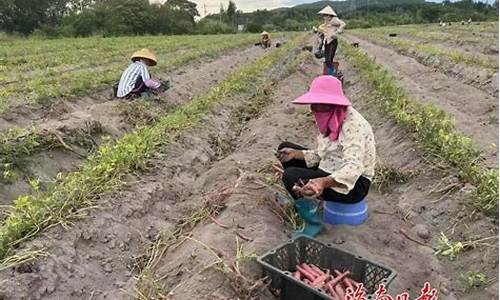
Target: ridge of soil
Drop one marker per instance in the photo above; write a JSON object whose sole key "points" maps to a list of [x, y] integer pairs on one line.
{"points": [[98, 116], [474, 111], [478, 77], [482, 50], [99, 256]]}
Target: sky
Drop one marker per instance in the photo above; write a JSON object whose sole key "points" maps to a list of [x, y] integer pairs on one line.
{"points": [[213, 6]]}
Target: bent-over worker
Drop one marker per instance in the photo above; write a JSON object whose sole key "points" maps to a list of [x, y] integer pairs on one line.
{"points": [[136, 79], [329, 32], [341, 166], [265, 40]]}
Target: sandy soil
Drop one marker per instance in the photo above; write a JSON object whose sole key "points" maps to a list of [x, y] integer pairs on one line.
{"points": [[98, 115], [478, 77], [474, 111], [99, 256]]}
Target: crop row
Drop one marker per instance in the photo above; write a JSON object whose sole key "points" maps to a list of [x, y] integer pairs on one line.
{"points": [[84, 81], [103, 171], [19, 143], [431, 36], [434, 130], [409, 47], [15, 67]]}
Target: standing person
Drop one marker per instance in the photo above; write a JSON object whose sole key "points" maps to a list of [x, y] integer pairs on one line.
{"points": [[136, 79], [341, 167], [330, 30]]}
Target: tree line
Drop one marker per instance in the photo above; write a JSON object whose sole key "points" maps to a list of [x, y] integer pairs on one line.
{"points": [[138, 17]]}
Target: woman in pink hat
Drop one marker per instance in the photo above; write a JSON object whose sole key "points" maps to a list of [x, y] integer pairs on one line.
{"points": [[343, 164]]}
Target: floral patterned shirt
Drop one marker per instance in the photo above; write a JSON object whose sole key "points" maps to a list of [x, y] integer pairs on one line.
{"points": [[349, 157], [332, 29]]}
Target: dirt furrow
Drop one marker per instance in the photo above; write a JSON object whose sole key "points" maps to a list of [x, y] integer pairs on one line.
{"points": [[115, 117], [184, 270], [101, 255], [474, 111], [482, 78]]}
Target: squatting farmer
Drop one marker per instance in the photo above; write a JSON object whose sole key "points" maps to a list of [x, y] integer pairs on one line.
{"points": [[136, 80], [328, 34], [341, 167], [265, 40]]}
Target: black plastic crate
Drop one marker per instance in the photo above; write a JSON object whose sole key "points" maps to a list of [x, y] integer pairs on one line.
{"points": [[278, 263]]}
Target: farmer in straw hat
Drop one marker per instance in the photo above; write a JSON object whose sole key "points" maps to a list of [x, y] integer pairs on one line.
{"points": [[265, 40], [329, 31], [341, 167], [136, 79]]}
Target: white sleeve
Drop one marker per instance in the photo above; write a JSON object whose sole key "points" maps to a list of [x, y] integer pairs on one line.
{"points": [[145, 73]]}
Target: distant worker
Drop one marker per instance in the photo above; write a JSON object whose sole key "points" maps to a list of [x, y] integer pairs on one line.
{"points": [[340, 169], [329, 32], [136, 80], [265, 40]]}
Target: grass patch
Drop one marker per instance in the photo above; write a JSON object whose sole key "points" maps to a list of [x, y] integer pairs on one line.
{"points": [[433, 129], [386, 175], [103, 171]]}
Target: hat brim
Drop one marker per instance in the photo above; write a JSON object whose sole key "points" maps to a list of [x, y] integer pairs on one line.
{"points": [[327, 14], [320, 98], [153, 62]]}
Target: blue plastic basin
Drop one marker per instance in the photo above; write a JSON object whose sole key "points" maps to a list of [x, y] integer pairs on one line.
{"points": [[348, 214]]}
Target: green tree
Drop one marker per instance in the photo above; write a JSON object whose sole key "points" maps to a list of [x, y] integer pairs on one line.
{"points": [[231, 13], [25, 15]]}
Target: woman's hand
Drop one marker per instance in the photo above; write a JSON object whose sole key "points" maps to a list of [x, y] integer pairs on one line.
{"points": [[315, 187], [287, 154]]}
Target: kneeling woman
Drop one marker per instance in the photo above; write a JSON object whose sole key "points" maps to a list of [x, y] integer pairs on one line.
{"points": [[342, 165], [136, 80]]}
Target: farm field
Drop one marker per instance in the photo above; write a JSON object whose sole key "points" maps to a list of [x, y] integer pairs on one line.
{"points": [[173, 197], [467, 52]]}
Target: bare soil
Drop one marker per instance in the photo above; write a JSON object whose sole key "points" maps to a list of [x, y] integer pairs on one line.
{"points": [[475, 112], [81, 123], [99, 256], [483, 79]]}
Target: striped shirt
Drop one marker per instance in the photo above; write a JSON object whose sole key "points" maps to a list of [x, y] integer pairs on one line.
{"points": [[130, 76]]}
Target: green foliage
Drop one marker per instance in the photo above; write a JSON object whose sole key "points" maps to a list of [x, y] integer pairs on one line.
{"points": [[407, 46], [433, 129], [474, 279], [125, 17], [103, 171], [369, 13], [70, 71], [208, 26]]}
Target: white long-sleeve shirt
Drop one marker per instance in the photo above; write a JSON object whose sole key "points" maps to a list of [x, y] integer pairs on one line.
{"points": [[331, 29], [130, 76], [352, 155]]}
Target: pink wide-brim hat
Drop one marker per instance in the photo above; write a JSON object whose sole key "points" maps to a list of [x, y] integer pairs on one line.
{"points": [[324, 90]]}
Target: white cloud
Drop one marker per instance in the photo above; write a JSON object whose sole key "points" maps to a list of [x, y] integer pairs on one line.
{"points": [[213, 6]]}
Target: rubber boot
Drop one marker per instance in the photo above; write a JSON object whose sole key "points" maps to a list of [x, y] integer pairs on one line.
{"points": [[331, 71], [309, 211]]}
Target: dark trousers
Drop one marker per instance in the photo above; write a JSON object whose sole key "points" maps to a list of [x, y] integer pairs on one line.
{"points": [[330, 50], [139, 88], [296, 170]]}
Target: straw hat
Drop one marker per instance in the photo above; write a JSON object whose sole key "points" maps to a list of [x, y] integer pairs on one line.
{"points": [[324, 90], [328, 10], [264, 33], [144, 53]]}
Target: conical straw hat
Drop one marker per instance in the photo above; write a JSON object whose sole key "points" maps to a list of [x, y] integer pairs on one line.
{"points": [[144, 53], [328, 10], [264, 33]]}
